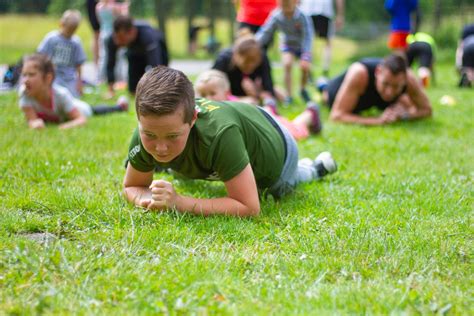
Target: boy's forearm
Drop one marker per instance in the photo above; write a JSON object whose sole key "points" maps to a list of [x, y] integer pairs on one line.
{"points": [[214, 206]]}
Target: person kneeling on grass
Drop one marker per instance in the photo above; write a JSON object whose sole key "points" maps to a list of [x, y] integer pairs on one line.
{"points": [[214, 85], [42, 101], [236, 143]]}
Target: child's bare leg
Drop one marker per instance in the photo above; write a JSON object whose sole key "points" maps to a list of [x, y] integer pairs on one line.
{"points": [[287, 59]]}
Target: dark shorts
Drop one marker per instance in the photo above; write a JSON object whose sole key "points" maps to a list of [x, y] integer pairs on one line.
{"points": [[468, 55], [322, 26], [422, 52], [254, 28], [92, 15]]}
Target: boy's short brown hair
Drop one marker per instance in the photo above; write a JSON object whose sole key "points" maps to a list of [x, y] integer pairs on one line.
{"points": [[162, 91]]}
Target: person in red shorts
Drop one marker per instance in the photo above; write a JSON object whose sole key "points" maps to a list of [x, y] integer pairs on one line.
{"points": [[253, 13], [400, 12]]}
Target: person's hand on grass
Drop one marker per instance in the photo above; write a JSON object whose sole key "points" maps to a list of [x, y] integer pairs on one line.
{"points": [[36, 123], [163, 196]]}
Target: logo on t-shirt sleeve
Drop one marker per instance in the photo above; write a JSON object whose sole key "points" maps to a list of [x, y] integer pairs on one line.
{"points": [[133, 152]]}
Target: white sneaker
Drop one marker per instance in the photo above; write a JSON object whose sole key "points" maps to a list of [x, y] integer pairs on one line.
{"points": [[123, 103], [325, 164]]}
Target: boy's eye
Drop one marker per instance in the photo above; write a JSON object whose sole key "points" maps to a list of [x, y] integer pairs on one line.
{"points": [[172, 136], [149, 135]]}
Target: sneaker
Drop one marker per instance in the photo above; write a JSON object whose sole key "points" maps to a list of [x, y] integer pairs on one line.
{"points": [[464, 82], [325, 164], [123, 103], [322, 83], [316, 124], [305, 95]]}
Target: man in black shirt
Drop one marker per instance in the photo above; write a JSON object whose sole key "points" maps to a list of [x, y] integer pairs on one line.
{"points": [[386, 84], [146, 48]]}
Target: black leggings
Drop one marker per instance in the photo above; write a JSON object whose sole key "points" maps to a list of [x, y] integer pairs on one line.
{"points": [[105, 109], [421, 51]]}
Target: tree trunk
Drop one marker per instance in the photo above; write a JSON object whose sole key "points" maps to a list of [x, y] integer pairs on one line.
{"points": [[160, 7], [437, 15]]}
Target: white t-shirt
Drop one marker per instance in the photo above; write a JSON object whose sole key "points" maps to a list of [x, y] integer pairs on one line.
{"points": [[318, 7], [63, 103]]}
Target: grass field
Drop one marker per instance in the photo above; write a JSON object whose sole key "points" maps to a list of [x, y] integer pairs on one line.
{"points": [[390, 232]]}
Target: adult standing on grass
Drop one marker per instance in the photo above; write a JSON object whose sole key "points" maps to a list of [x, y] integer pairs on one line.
{"points": [[465, 56], [107, 11], [401, 22], [66, 52], [95, 24], [325, 26], [252, 14], [248, 69], [239, 144], [385, 84], [146, 48]]}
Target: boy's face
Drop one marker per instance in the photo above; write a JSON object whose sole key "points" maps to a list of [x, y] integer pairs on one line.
{"points": [[68, 30], [287, 7], [212, 90], [387, 84], [165, 136]]}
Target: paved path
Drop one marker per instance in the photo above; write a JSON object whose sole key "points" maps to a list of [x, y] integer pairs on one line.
{"points": [[188, 66]]}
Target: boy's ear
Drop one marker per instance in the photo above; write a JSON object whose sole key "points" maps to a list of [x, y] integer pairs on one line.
{"points": [[195, 116]]}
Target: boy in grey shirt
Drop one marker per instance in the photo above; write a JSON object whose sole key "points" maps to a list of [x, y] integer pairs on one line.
{"points": [[66, 52], [296, 41]]}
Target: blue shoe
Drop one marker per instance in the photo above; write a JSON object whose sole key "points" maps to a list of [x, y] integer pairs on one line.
{"points": [[322, 83]]}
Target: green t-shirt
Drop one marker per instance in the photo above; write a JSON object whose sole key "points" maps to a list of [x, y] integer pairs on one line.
{"points": [[225, 138]]}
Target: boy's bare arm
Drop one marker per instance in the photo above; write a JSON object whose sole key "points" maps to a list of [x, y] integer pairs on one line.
{"points": [[79, 79], [242, 199]]}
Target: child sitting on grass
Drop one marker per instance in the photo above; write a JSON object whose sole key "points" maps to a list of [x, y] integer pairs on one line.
{"points": [[214, 85], [239, 144], [296, 41], [66, 52], [42, 101]]}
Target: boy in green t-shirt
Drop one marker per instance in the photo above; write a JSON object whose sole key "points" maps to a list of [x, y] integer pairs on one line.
{"points": [[236, 143]]}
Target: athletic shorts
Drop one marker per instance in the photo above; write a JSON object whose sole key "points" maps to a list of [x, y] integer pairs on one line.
{"points": [[398, 40], [468, 55], [288, 49], [323, 26], [253, 28], [422, 52]]}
